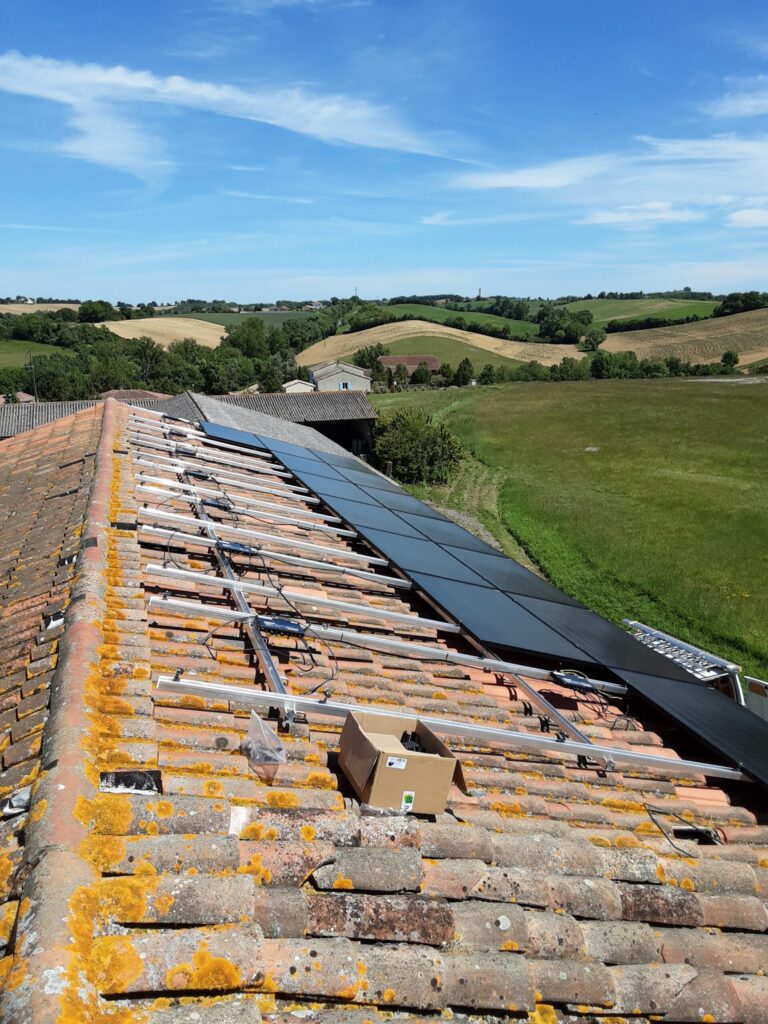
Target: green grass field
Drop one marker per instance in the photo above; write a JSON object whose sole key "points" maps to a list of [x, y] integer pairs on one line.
{"points": [[604, 310], [522, 328], [642, 499], [448, 350], [225, 319], [17, 353]]}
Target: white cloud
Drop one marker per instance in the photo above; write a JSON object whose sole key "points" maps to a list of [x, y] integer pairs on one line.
{"points": [[107, 129], [265, 6], [235, 194], [447, 219], [643, 215], [246, 168], [751, 217], [749, 100], [557, 174]]}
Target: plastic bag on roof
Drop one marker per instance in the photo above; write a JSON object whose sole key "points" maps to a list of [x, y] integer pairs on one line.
{"points": [[262, 745]]}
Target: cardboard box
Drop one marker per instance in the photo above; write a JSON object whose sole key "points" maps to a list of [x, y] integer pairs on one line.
{"points": [[384, 773]]}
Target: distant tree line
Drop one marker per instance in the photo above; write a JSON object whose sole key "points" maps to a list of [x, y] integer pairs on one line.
{"points": [[741, 302], [644, 323]]}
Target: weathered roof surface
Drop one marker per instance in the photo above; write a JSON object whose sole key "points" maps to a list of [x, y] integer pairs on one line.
{"points": [[133, 394], [551, 893], [323, 369], [244, 418], [410, 362], [311, 407], [45, 481], [19, 417]]}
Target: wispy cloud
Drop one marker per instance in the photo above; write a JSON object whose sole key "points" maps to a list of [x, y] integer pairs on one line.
{"points": [[235, 194], [750, 217], [265, 6], [557, 174], [748, 99], [641, 215], [107, 128], [444, 218], [246, 168]]}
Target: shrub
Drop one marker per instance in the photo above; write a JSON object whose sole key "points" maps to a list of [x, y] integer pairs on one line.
{"points": [[420, 450]]}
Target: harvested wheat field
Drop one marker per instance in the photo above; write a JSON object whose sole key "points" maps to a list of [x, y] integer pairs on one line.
{"points": [[165, 329], [340, 345], [36, 307], [702, 342]]}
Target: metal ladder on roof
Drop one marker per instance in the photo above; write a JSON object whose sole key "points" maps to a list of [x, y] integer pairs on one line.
{"points": [[701, 664]]}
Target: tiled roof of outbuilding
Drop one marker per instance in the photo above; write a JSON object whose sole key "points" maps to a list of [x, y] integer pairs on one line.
{"points": [[553, 893]]}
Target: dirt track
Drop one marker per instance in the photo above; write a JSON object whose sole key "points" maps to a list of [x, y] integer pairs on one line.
{"points": [[340, 345], [165, 329]]}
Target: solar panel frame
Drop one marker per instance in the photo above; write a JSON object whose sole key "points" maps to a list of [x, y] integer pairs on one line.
{"points": [[414, 554]]}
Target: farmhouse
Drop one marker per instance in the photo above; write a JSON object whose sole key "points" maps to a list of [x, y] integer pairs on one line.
{"points": [[600, 856], [411, 363], [339, 376]]}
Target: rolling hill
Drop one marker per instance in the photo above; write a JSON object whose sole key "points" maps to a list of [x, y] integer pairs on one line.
{"points": [[439, 315], [165, 329], [702, 342], [604, 310], [270, 319], [341, 346], [36, 307], [17, 353]]}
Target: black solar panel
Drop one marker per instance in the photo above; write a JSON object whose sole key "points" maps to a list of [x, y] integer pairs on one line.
{"points": [[510, 576], [233, 436], [607, 644], [421, 555], [444, 532], [495, 618], [399, 501], [341, 461], [300, 466], [376, 517], [288, 448], [367, 478], [328, 489], [723, 725]]}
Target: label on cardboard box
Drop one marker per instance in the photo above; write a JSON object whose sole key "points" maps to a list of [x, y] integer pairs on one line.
{"points": [[406, 804], [397, 762]]}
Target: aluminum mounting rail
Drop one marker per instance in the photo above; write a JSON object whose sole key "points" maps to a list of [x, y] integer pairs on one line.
{"points": [[171, 430], [226, 505], [153, 515], [179, 466], [166, 488], [467, 730], [408, 649], [261, 651], [198, 452], [159, 481], [292, 597], [223, 479], [161, 534]]}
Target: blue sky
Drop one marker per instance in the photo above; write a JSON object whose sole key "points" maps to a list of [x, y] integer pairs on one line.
{"points": [[264, 149]]}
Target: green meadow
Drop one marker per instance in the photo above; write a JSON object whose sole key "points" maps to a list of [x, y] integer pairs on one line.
{"points": [[17, 353], [643, 499]]}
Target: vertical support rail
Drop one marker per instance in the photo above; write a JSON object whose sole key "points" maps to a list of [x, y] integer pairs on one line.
{"points": [[257, 641]]}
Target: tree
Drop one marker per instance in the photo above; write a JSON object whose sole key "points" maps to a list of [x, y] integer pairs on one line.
{"points": [[369, 356], [93, 312], [465, 373], [729, 361], [487, 374], [401, 377], [446, 371], [270, 378], [421, 375], [151, 357], [249, 336], [420, 450], [593, 339]]}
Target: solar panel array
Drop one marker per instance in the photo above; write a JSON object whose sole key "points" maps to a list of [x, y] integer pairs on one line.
{"points": [[499, 602]]}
